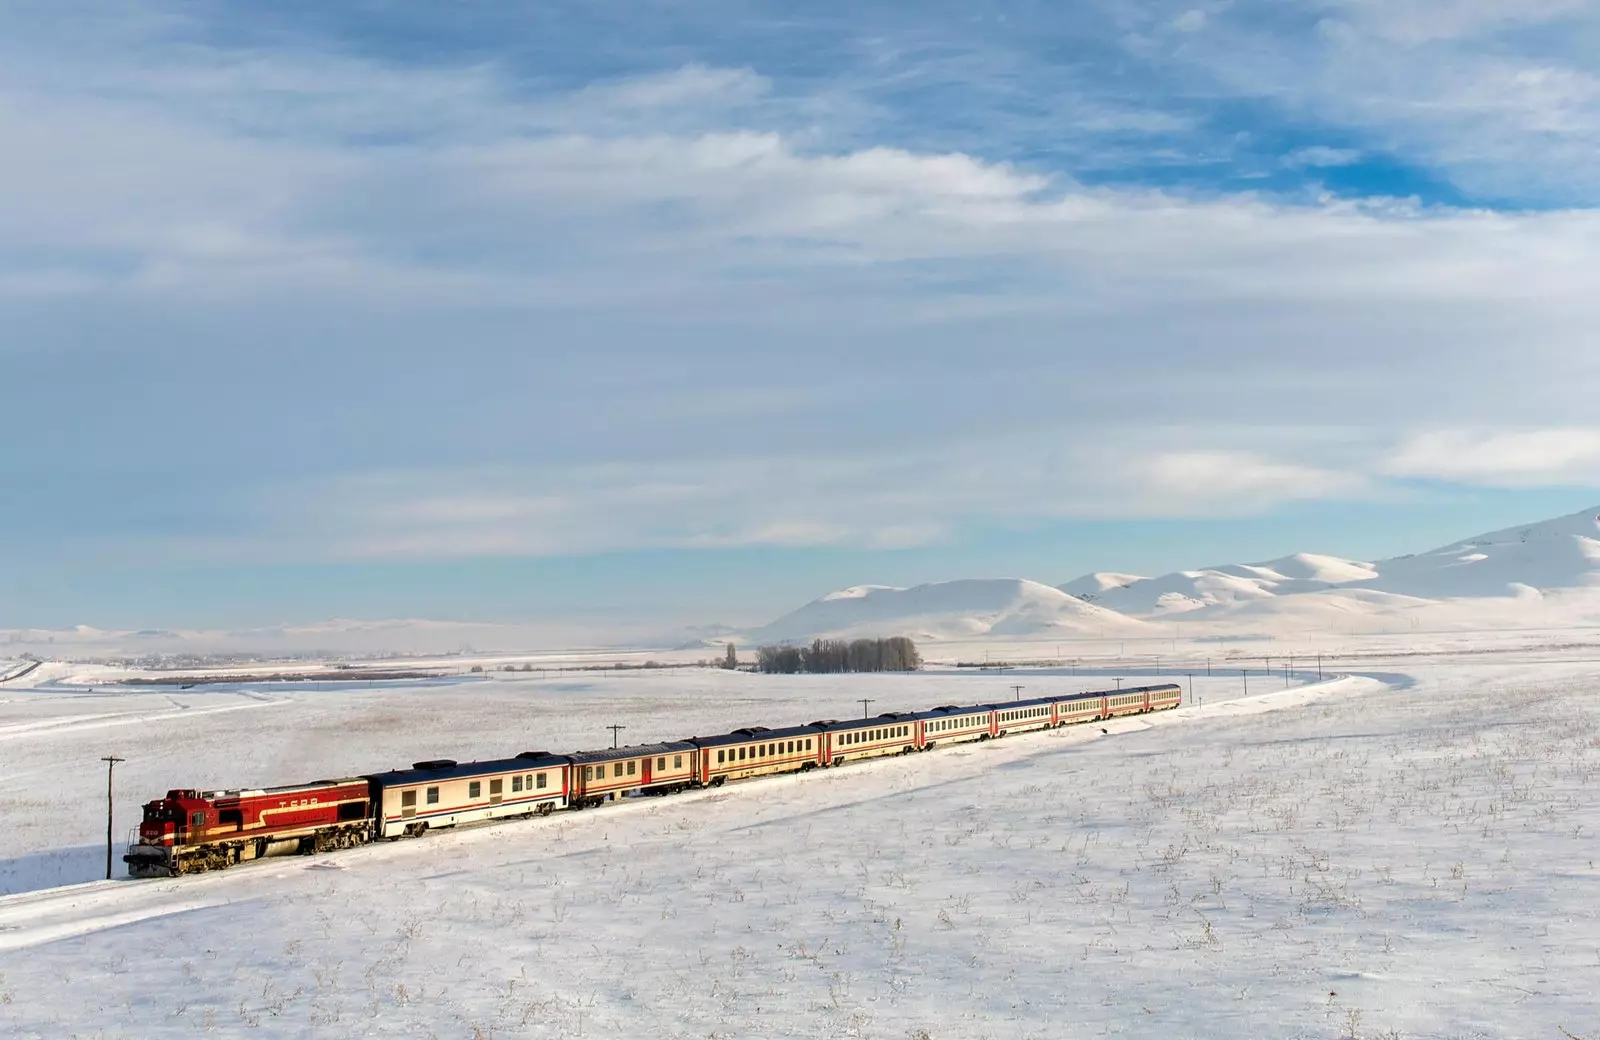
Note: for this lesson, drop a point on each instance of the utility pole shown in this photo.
(1244, 673)
(864, 702)
(111, 764)
(1208, 666)
(1158, 664)
(614, 728)
(1119, 684)
(1018, 691)
(1191, 687)
(1319, 666)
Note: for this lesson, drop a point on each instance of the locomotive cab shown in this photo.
(168, 820)
(179, 819)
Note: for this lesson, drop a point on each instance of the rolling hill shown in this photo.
(974, 608)
(1523, 563)
(1546, 572)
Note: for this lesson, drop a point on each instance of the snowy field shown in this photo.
(1411, 855)
(52, 784)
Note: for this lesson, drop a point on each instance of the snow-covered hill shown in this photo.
(1542, 573)
(1563, 553)
(1011, 607)
(1184, 591)
(1531, 563)
(1091, 587)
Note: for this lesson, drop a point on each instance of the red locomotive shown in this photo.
(190, 831)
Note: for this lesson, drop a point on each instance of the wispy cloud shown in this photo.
(1321, 155)
(866, 500)
(1505, 458)
(1498, 97)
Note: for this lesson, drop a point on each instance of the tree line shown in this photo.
(831, 656)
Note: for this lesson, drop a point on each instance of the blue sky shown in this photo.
(674, 313)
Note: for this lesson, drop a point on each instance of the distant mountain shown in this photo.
(1011, 607)
(1517, 562)
(1563, 553)
(1184, 591)
(1091, 587)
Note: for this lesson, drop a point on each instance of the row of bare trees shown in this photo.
(829, 656)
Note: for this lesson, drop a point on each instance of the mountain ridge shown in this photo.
(1556, 554)
(1525, 563)
(960, 609)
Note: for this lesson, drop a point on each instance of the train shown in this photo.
(190, 831)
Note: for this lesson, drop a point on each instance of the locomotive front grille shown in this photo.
(149, 861)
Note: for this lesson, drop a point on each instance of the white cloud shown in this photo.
(1496, 97)
(1422, 21)
(870, 500)
(691, 85)
(1501, 458)
(1247, 480)
(1321, 155)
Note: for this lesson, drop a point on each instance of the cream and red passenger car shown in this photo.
(443, 793)
(892, 733)
(600, 776)
(1025, 716)
(952, 724)
(757, 751)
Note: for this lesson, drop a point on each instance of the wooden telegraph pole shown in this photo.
(111, 764)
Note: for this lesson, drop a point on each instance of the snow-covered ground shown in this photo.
(1409, 855)
(52, 784)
